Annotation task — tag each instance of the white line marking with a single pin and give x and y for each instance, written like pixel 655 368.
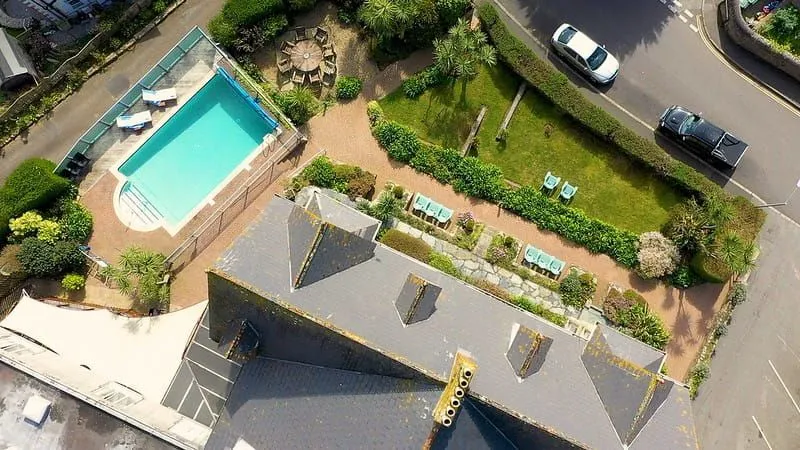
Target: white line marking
pixel 684 19
pixel 784 386
pixel 688 13
pixel 694 28
pixel 209 370
pixel 185 394
pixel 203 326
pixel 202 389
pixel 646 125
pixel 678 4
pixel 761 433
pixel 198 410
pixel 788 348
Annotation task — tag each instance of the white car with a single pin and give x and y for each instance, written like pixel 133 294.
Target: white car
pixel 585 54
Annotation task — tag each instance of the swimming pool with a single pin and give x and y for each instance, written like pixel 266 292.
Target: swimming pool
pixel 173 173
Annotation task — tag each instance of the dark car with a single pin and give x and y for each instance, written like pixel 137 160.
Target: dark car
pixel 702 137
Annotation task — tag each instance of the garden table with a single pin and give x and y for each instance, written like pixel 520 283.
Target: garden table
pixel 306 55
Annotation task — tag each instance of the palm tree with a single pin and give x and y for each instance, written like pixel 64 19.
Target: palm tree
pixel 463 51
pixel 737 256
pixel 689 227
pixel 300 104
pixel 387 207
pixel 386 18
pixel 140 274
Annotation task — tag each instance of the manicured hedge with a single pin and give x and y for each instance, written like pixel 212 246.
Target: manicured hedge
pixel 557 88
pixel 483 180
pixel 32 185
pixel 411 246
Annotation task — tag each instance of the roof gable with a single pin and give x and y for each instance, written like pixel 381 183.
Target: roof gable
pixel 318 249
pixel 417 299
pixel 527 351
pixel 349 219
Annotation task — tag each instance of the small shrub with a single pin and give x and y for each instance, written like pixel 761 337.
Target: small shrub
pixel 348 87
pixel 374 112
pixel 222 31
pixel 491 288
pixel 463 218
pixel 634 297
pixel 320 172
pixel 535 308
pixel 140 275
pixel 469 225
pixel 300 104
pixel 445 264
pixel 697 375
pixel 576 290
pixel 509 241
pixel 502 250
pixel 720 330
pixel 738 294
pixel 684 277
pixel 242 13
pixel 44 259
pixel 361 185
pixel 49 231
pixel 398 191
pixel 273 26
pixel 73 282
pixel 639 323
pixel 26 225
pixel 411 246
pixel 450 11
pixel 76 222
pixel 615 303
pixel 417 84
pixel 657 255
pixel 159 6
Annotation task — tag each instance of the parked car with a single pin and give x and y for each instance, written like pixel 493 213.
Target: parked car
pixel 582 52
pixel 702 137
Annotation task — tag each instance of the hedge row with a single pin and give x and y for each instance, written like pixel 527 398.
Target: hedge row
pixel 483 180
pixel 32 185
pixel 556 87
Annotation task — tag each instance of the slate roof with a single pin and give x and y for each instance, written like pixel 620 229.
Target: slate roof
pixel 563 397
pixel 347 218
pixel 279 404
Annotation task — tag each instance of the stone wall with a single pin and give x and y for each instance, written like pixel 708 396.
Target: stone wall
pixel 743 35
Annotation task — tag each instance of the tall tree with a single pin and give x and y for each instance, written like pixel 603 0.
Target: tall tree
pixel 460 55
pixel 387 18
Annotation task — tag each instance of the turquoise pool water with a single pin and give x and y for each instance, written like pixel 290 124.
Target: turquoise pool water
pixel 196 149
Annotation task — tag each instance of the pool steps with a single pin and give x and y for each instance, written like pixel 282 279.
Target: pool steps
pixel 138 204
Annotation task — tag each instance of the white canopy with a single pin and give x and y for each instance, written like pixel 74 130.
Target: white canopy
pixel 141 353
pixel 160 95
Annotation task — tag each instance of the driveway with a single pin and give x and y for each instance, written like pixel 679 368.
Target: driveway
pixel 52 136
pixel 664 62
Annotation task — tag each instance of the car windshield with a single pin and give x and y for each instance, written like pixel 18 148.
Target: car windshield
pixel 597 58
pixel 689 124
pixel 566 35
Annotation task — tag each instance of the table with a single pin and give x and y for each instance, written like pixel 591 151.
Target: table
pixel 306 55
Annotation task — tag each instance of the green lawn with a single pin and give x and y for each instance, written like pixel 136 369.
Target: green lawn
pixel 610 187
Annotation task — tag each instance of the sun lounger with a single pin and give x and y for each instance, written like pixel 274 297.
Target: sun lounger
pixel 444 216
pixel 134 121
pixel 544 261
pixel 568 191
pixel 420 202
pixel 159 97
pixel 550 181
pixel 531 254
pixel 556 266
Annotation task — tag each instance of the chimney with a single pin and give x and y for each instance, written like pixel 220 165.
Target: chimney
pixel 452 397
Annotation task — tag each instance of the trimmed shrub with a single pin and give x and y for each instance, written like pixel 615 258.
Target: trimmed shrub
pixel 76 222
pixel 361 184
pixel 320 172
pixel 222 30
pixel 576 289
pixel 684 277
pixel 26 225
pixel 450 11
pixel 374 112
pixel 697 375
pixel 639 323
pixel 445 264
pixel 348 87
pixel 417 84
pixel 614 304
pixel 411 246
pixel 30 186
pixel 535 308
pixel 44 259
pixel 300 104
pixel 73 282
pixel 657 255
pixel 272 26
pixel 241 13
pixel 398 191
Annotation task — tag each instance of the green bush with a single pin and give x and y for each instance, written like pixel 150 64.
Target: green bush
pixel 502 250
pixel 320 172
pixel 374 112
pixel 44 259
pixel 639 323
pixel 222 31
pixel 684 277
pixel 417 84
pixel 539 310
pixel 615 304
pixel 241 13
pixel 450 11
pixel 491 288
pixel 576 290
pixel 301 5
pixel 30 186
pixel 348 87
pixel 272 26
pixel 697 375
pixel 300 104
pixel 411 246
pixel 738 294
pixel 360 183
pixel 445 264
pixel 73 282
pixel 76 222
pixel 140 275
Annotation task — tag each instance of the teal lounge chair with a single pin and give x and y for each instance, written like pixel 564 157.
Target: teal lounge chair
pixel 531 254
pixel 568 191
pixel 550 181
pixel 433 209
pixel 556 266
pixel 420 202
pixel 444 216
pixel 544 261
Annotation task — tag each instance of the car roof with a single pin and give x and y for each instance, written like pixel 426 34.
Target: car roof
pixel 582 44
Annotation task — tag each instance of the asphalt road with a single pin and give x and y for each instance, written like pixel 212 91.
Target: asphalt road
pixel 755 372
pixel 664 62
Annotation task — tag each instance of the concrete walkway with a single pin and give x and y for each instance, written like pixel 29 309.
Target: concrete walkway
pixel 53 135
pixel 742 60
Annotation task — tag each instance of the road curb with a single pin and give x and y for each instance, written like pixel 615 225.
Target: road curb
pixel 733 63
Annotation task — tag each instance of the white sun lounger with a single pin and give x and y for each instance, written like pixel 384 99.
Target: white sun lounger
pixel 134 121
pixel 158 97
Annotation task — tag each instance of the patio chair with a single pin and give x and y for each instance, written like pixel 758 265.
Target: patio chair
pixel 298 77
pixel 300 34
pixel 321 35
pixel 568 191
pixel 328 67
pixel 287 45
pixel 420 202
pixel 444 216
pixel 328 54
pixel 531 254
pixel 550 181
pixel 284 65
pixel 327 81
pixel 544 261
pixel 68 175
pixel 80 157
pixel 314 77
pixel 433 209
pixel 327 47
pixel 556 266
